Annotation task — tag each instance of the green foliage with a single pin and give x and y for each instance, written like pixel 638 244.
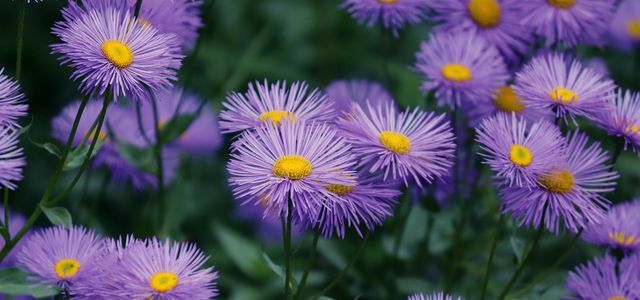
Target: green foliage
pixel 14 282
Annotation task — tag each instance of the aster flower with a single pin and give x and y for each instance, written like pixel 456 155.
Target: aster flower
pixel 264 104
pixel 15 222
pixel 345 92
pixel 619 229
pixel 519 152
pixel 391 14
pixel 569 22
pixel 60 256
pixel 459 68
pixel 434 296
pixel 552 81
pixel 605 278
pixel 12 101
pixel 623 119
pixel 505 101
pixel 63 123
pixel 291 162
pixel 107 50
pixel 570 192
pixel 410 145
pixel 268 228
pixel 624 29
pixel 498 21
pixel 12 159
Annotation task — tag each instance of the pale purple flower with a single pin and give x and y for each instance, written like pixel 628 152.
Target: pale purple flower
pixel 605 278
pixel 622 120
pixel 345 92
pixel 12 101
pixel 12 159
pixel 624 30
pixel 619 229
pixel 391 14
pixel 505 100
pixel 434 296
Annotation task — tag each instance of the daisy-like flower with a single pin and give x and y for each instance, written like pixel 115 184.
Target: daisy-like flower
pixel 552 81
pixel 61 256
pixel 392 14
pixel 619 229
pixel 460 67
pixel 498 21
pixel 505 101
pixel 519 152
pixel 264 104
pixel 625 25
pixel 434 296
pixel 623 119
pixel 410 145
pixel 345 92
pixel 605 278
pixel 569 22
pixel 12 101
pixel 569 192
pixel 16 221
pixel 291 162
pixel 108 49
pixel 12 159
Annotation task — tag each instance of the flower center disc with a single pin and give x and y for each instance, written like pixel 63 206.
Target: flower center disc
pixel 117 53
pixel 339 189
pixel 633 29
pixel 622 239
pixel 486 13
pixel 507 100
pixel 618 298
pixel 520 155
pixel 66 268
pixel 562 4
pixel 558 182
pixel 564 96
pixel 90 135
pixel 456 72
pixel 388 1
pixel 276 116
pixel 294 167
pixel 163 282
pixel 395 142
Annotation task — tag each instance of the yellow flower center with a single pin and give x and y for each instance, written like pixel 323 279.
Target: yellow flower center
pixel 507 100
pixel 486 13
pixel 117 53
pixel 562 4
pixel 388 1
pixel 294 167
pixel 633 29
pixel 623 239
pixel 276 116
pixel 395 142
pixel 617 298
pixel 564 96
pixel 558 182
pixel 632 129
pixel 163 282
pixel 520 155
pixel 90 135
pixel 66 268
pixel 456 72
pixel 339 189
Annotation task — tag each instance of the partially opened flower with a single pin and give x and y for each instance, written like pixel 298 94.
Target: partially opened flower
pixel 265 104
pixel 625 25
pixel 12 101
pixel 391 14
pixel 623 119
pixel 619 229
pixel 605 278
pixel 15 223
pixel 553 81
pixel 568 22
pixel 108 49
pixel 498 21
pixel 12 159
pixel 412 146
pixel 460 67
pixel 346 92
pixel 520 153
pixel 434 296
pixel 505 100
pixel 570 193
pixel 61 256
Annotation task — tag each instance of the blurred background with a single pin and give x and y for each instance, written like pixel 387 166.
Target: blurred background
pixel 316 42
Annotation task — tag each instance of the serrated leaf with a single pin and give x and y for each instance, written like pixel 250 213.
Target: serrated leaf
pixel 57 215
pixel 77 157
pixel 13 281
pixel 246 255
pixel 518 248
pixel 176 127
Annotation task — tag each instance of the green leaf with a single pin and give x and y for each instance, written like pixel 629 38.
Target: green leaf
pixel 13 281
pixel 51 148
pixel 246 255
pixel 24 130
pixel 176 127
pixel 273 266
pixel 142 159
pixel 77 157
pixel 57 215
pixel 518 248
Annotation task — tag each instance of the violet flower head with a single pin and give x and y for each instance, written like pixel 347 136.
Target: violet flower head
pixel 434 296
pixel 267 228
pixel 345 92
pixel 460 68
pixel 63 123
pixel 12 101
pixel 391 14
pixel 625 25
pixel 623 119
pixel 605 278
pixel 505 100
pixel 12 160
pixel 619 229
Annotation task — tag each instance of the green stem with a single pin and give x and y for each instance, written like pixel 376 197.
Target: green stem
pixel 494 245
pixel 138 6
pixel 346 268
pixel 522 265
pixel 286 237
pixel 6 210
pixel 616 153
pixel 403 214
pixel 312 258
pixel 21 13
pixel 384 45
pixel 162 205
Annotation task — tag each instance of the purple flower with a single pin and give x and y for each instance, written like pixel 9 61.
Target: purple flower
pixel 265 104
pixel 391 14
pixel 460 68
pixel 624 29
pixel 498 21
pixel 12 159
pixel 108 49
pixel 345 92
pixel 410 145
pixel 519 152
pixel 61 256
pixel 434 296
pixel 268 228
pixel 605 278
pixel 505 101
pixel 291 162
pixel 552 81
pixel 619 229
pixel 63 123
pixel 623 119
pixel 569 192
pixel 569 22
pixel 12 102
pixel 16 221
